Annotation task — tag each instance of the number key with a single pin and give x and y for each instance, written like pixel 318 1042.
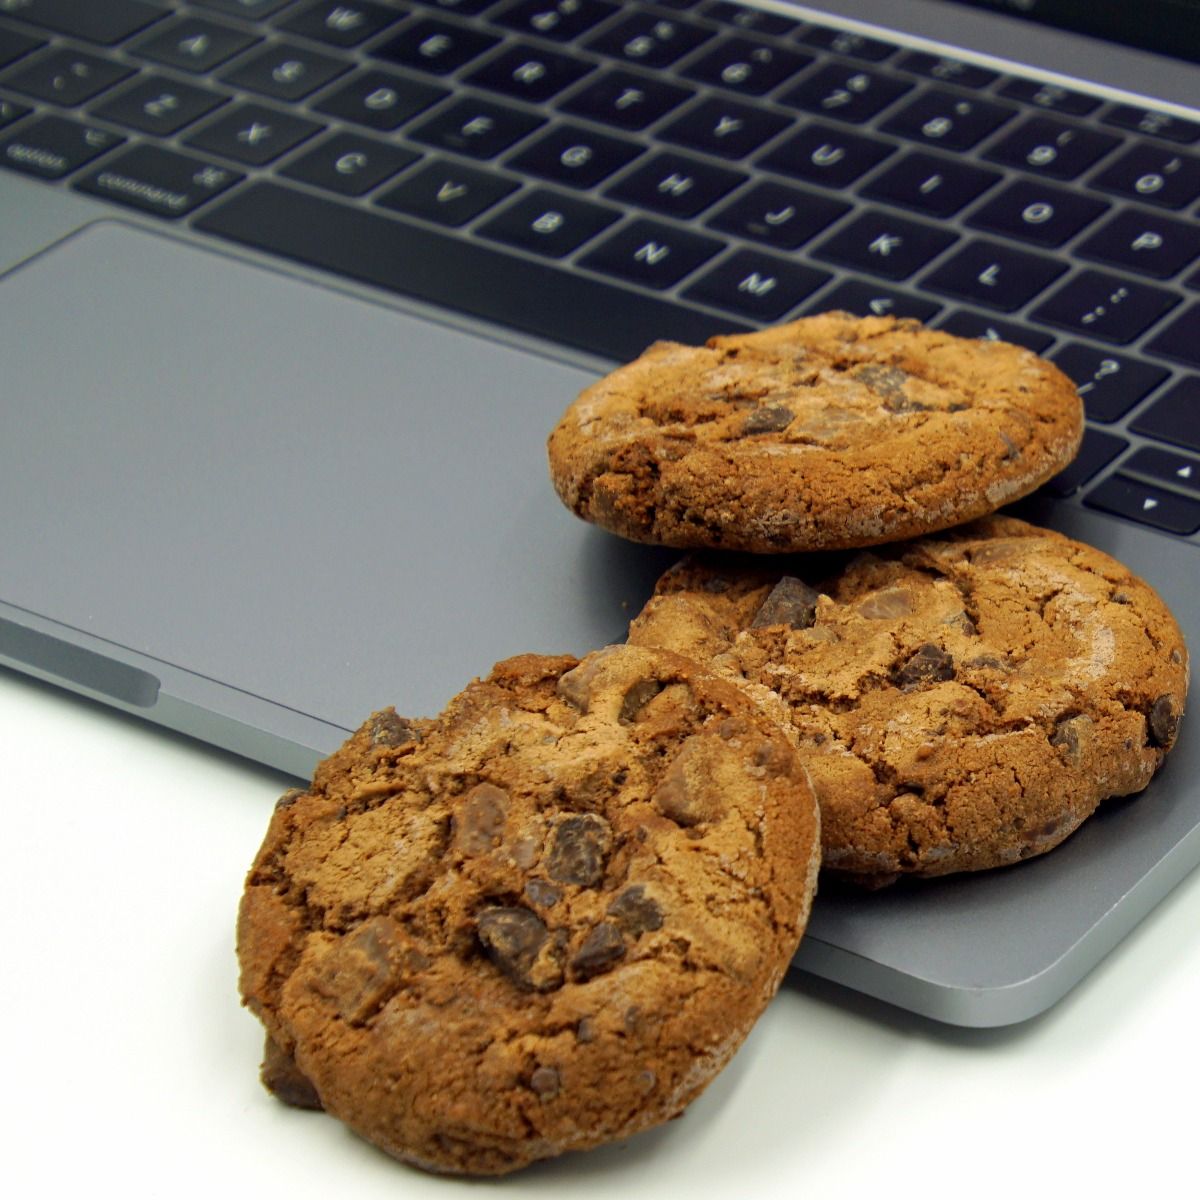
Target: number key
pixel 947 120
pixel 743 65
pixel 845 92
pixel 650 41
pixel 1154 175
pixel 1054 148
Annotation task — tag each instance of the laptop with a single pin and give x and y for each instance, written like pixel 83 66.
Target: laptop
pixel 292 292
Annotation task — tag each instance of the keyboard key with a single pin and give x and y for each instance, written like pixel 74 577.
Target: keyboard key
pixel 651 253
pixel 1037 212
pixel 341 23
pixel 192 44
pixel 1153 175
pixel 575 155
pixel 11 111
pixel 476 127
pixel 625 99
pixel 251 10
pixel 1172 417
pixel 253 134
pixel 649 41
pixel 928 184
pixel 1149 505
pixel 51 147
pixel 1110 384
pixel 1144 242
pixel 884 244
pixel 778 215
pixel 874 300
pixel 66 77
pixel 529 73
pixel 1052 148
pixel 464 8
pixel 948 70
pixel 159 181
pixel 1050 96
pixel 1105 306
pixel 1181 338
pixel 994 275
pixel 380 100
pixel 349 164
pixel 963 323
pixel 676 185
pixel 104 23
pixel 449 193
pixel 430 44
pixel 286 71
pixel 743 65
pixel 562 21
pixel 852 45
pixel 158 104
pixel 846 92
pixel 14 45
pixel 822 154
pixel 1175 470
pixel 549 223
pixel 947 119
pixel 758 286
pixel 755 19
pixel 724 128
pixel 466 275
pixel 1158 124
pixel 1097 450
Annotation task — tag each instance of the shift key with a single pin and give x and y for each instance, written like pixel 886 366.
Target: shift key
pixel 158 181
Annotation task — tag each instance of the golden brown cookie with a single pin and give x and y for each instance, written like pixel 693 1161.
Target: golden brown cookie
pixel 961 702
pixel 540 922
pixel 830 432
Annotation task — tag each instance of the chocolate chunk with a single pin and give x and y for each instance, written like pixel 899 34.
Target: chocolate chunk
pixel 791 602
pixel 771 419
pixel 888 383
pixel 930 664
pixel 546 1081
pixel 1071 735
pixel 541 893
pixel 1164 721
pixel 603 947
pixel 362 970
pixel 687 793
pixel 283 1079
pixel 578 849
pixel 638 697
pixel 515 940
pixel 479 819
pixel 636 912
pixel 388 729
pixel 575 687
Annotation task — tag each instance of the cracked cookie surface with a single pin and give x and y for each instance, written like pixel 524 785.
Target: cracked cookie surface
pixel 961 702
pixel 827 433
pixel 542 921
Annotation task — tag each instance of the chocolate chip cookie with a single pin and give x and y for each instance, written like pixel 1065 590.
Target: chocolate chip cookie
pixel 961 702
pixel 831 432
pixel 542 921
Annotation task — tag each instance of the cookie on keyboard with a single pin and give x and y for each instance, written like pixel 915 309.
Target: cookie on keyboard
pixel 831 432
pixel 961 702
pixel 540 922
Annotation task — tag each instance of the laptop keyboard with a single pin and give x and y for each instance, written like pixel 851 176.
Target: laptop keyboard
pixel 601 174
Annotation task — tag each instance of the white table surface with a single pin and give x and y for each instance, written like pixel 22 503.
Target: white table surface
pixel 129 1068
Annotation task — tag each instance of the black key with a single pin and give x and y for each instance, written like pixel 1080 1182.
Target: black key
pixel 349 164
pixel 1144 242
pixel 747 66
pixel 1181 338
pixel 448 193
pixel 342 23
pixel 1049 96
pixel 884 244
pixel 529 73
pixel 1175 470
pixel 994 275
pixel 1053 148
pixel 192 44
pixel 1097 450
pixel 549 223
pixel 476 127
pixel 650 253
pixel 66 77
pixel 380 100
pixel 625 99
pixel 464 8
pixel 649 41
pixel 1158 124
pixel 576 156
pixel 778 215
pixel 561 20
pixel 724 128
pixel 825 155
pixel 157 104
pixel 1105 306
pixel 874 300
pixel 676 185
pixel 104 22
pixel 286 71
pixel 1109 383
pixel 429 44
pixel 250 9
pixel 1037 212
pixel 738 15
pixel 1146 504
pixel 1153 175
pixel 11 111
pixel 935 186
pixel 852 45
pixel 1172 417
pixel 51 147
pixel 967 324
pixel 846 92
pixel 948 70
pixel 253 134
pixel 14 45
pixel 465 275
pixel 158 181
pixel 758 286
pixel 947 120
